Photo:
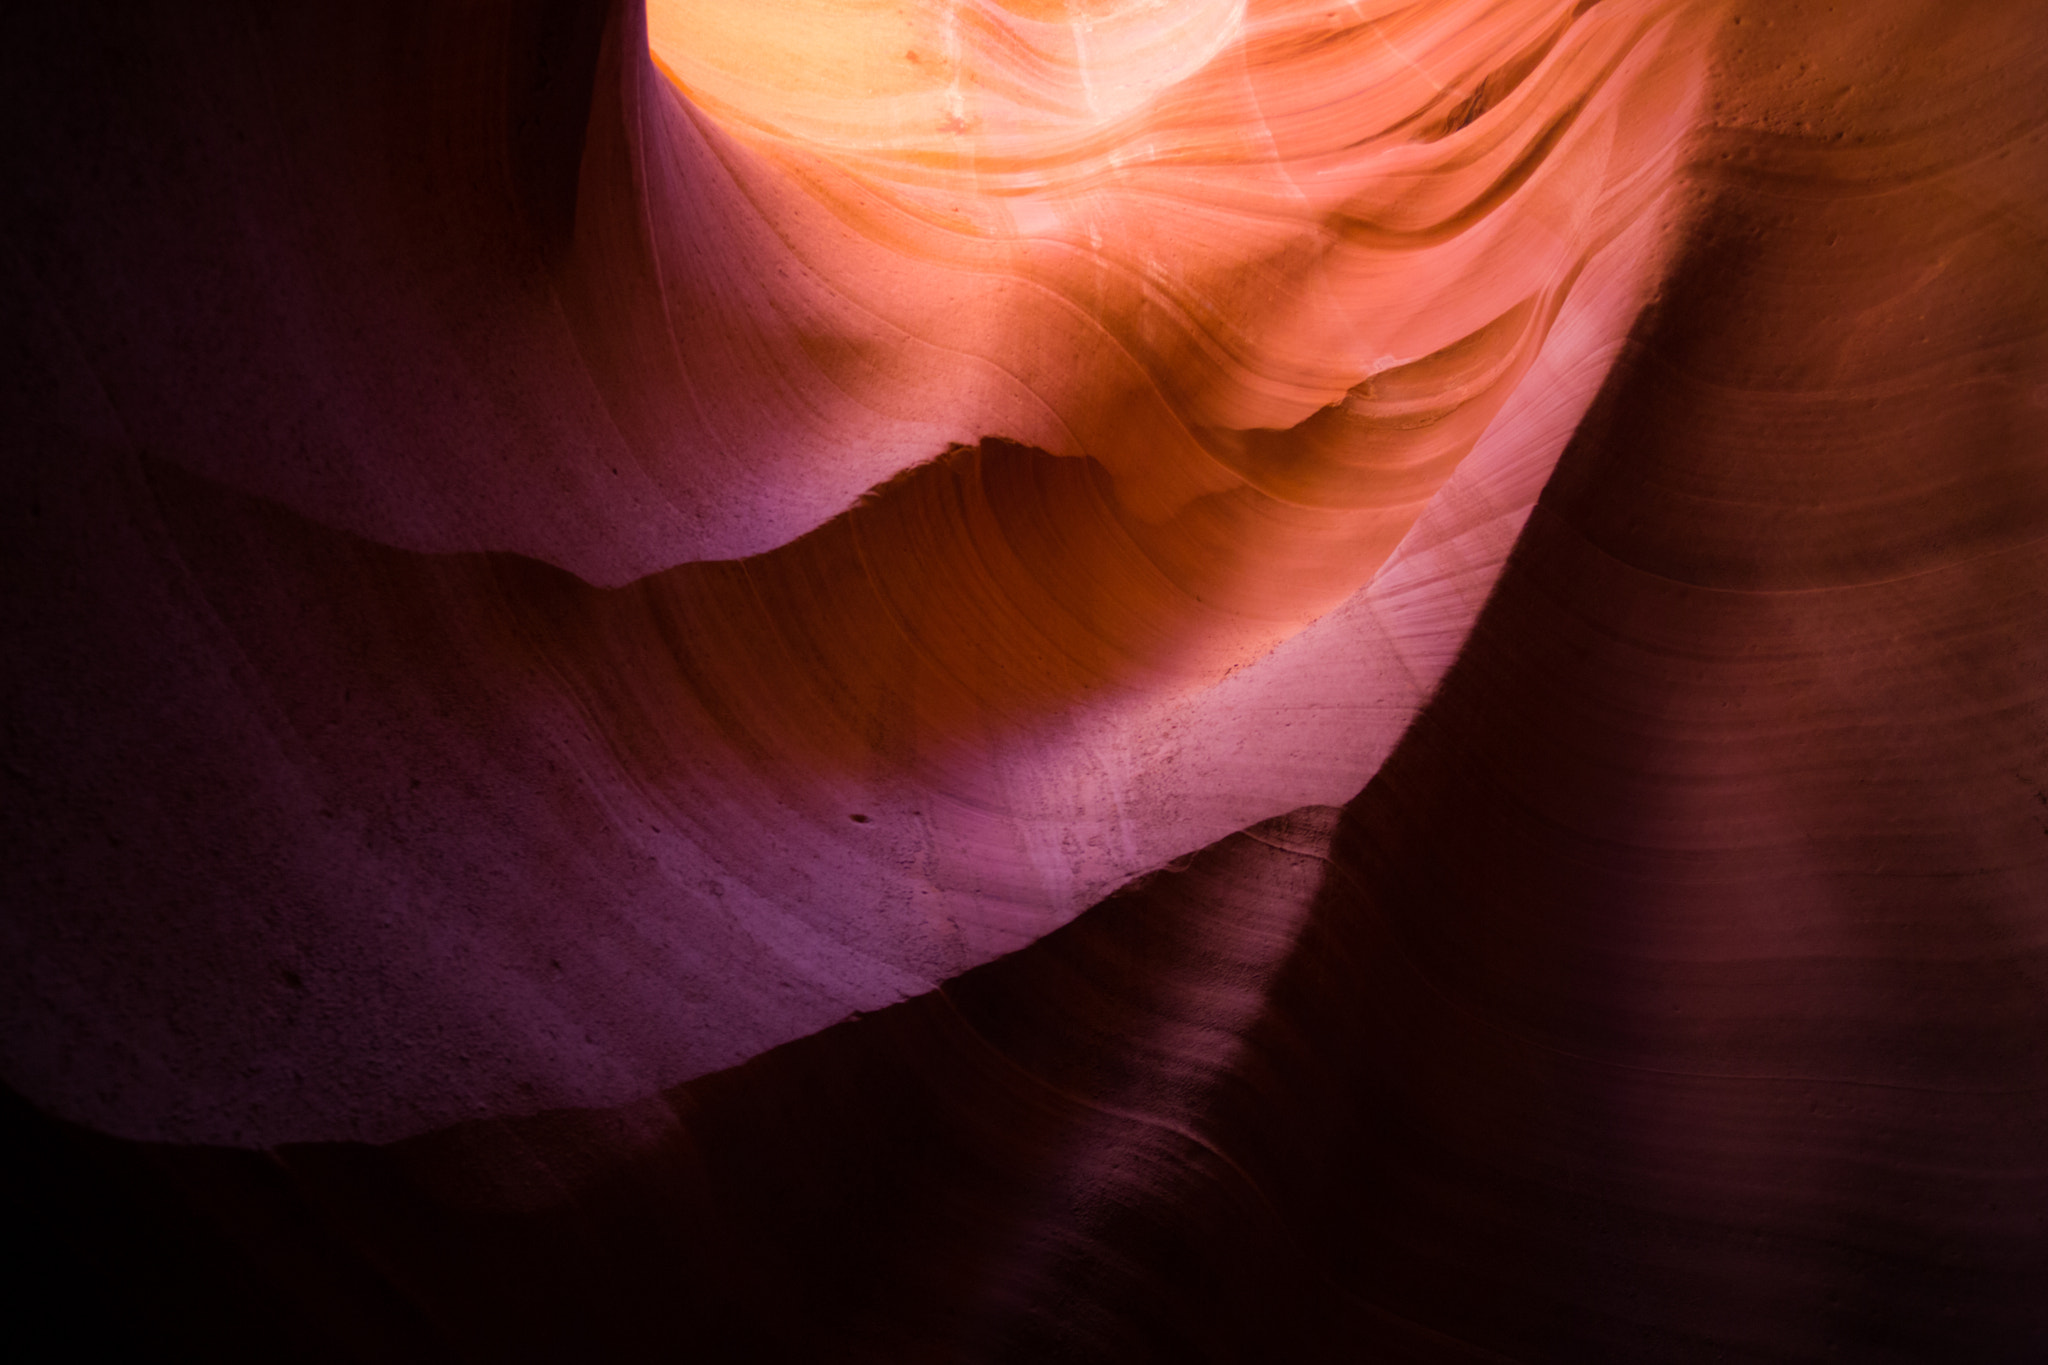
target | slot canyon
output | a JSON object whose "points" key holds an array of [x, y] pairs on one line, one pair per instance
{"points": [[1022, 681]]}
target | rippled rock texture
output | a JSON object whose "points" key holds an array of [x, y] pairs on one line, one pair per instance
{"points": [[1212, 681]]}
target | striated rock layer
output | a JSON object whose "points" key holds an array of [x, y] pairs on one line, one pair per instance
{"points": [[544, 576], [398, 424]]}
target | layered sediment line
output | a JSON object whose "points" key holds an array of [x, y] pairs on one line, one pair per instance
{"points": [[889, 715]]}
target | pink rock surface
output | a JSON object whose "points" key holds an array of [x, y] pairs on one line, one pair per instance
{"points": [[594, 595], [458, 833]]}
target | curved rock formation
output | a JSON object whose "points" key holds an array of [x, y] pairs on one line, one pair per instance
{"points": [[596, 594]]}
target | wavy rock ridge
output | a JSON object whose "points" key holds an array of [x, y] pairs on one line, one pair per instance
{"points": [[545, 575]]}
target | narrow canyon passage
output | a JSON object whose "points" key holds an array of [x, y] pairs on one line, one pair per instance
{"points": [[1218, 682]]}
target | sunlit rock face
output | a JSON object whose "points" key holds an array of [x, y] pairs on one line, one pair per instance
{"points": [[737, 576], [1020, 682]]}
